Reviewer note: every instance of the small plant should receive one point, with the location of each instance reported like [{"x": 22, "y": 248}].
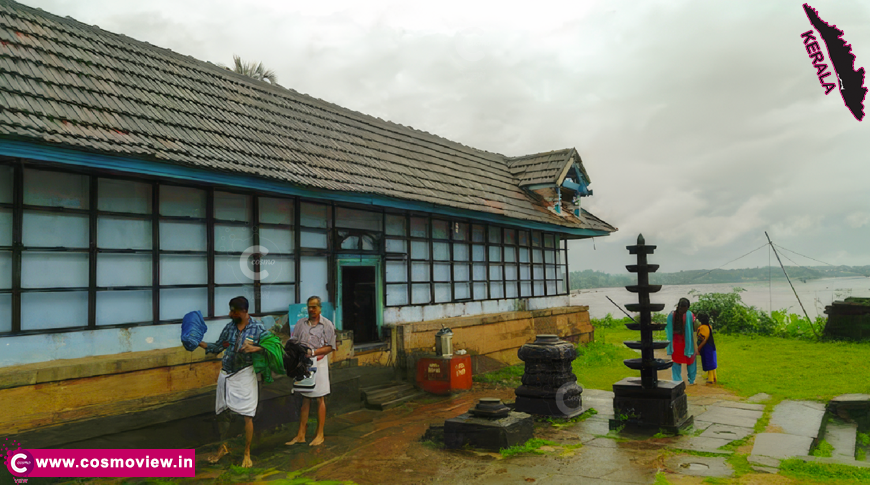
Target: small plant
[
  {"x": 740, "y": 464},
  {"x": 560, "y": 423},
  {"x": 824, "y": 450},
  {"x": 864, "y": 439},
  {"x": 661, "y": 479},
  {"x": 530, "y": 446},
  {"x": 433, "y": 445}
]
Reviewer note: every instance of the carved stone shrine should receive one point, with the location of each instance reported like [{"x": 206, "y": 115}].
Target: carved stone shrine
[
  {"x": 549, "y": 386},
  {"x": 647, "y": 402},
  {"x": 490, "y": 425}
]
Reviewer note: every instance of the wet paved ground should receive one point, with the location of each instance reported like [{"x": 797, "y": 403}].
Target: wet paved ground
[
  {"x": 385, "y": 447},
  {"x": 372, "y": 447}
]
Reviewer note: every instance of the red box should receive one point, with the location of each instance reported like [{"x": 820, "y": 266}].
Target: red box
[{"x": 444, "y": 375}]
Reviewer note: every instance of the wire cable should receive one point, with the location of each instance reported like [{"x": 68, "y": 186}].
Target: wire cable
[
  {"x": 799, "y": 254},
  {"x": 726, "y": 264}
]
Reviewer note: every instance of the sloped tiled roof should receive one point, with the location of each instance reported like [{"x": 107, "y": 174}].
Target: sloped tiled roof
[
  {"x": 540, "y": 168},
  {"x": 68, "y": 84}
]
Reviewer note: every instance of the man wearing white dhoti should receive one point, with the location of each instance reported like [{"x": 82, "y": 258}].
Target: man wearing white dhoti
[
  {"x": 237, "y": 388},
  {"x": 318, "y": 334}
]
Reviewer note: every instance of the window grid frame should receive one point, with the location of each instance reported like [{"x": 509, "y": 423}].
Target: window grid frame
[{"x": 17, "y": 248}]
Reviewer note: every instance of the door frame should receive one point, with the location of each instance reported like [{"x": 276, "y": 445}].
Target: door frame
[{"x": 379, "y": 289}]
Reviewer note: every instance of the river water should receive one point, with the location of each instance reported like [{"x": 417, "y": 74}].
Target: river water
[{"x": 815, "y": 295}]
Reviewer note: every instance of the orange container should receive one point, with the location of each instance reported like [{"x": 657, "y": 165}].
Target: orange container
[{"x": 444, "y": 375}]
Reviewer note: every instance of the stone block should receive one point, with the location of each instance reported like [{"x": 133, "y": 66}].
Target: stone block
[{"x": 488, "y": 434}]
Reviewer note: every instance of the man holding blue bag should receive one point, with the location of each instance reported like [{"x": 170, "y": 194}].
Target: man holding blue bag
[
  {"x": 318, "y": 334},
  {"x": 237, "y": 388}
]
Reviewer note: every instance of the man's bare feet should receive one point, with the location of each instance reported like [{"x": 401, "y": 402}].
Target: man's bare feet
[
  {"x": 295, "y": 440},
  {"x": 246, "y": 462},
  {"x": 318, "y": 440},
  {"x": 223, "y": 450}
]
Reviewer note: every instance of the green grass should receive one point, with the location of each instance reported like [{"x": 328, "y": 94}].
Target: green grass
[
  {"x": 740, "y": 464},
  {"x": 864, "y": 439},
  {"x": 599, "y": 365},
  {"x": 825, "y": 472},
  {"x": 748, "y": 365},
  {"x": 824, "y": 449},
  {"x": 507, "y": 376},
  {"x": 530, "y": 446},
  {"x": 559, "y": 423},
  {"x": 661, "y": 479},
  {"x": 793, "y": 369}
]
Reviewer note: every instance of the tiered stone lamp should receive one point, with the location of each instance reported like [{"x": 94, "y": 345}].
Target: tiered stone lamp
[
  {"x": 646, "y": 402},
  {"x": 549, "y": 384}
]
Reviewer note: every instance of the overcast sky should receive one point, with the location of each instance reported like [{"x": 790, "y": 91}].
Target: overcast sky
[{"x": 702, "y": 124}]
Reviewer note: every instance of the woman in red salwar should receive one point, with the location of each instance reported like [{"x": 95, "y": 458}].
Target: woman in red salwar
[{"x": 682, "y": 348}]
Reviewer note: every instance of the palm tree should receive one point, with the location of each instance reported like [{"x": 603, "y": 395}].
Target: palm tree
[{"x": 253, "y": 70}]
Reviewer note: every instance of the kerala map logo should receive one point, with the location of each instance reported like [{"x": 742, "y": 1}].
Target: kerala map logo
[{"x": 850, "y": 80}]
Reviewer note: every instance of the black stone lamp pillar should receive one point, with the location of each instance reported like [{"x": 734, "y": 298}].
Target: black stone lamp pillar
[
  {"x": 646, "y": 402},
  {"x": 647, "y": 364}
]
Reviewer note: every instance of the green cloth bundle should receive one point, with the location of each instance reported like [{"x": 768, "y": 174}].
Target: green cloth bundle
[{"x": 271, "y": 358}]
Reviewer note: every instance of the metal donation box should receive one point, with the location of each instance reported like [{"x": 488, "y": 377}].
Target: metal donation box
[{"x": 444, "y": 342}]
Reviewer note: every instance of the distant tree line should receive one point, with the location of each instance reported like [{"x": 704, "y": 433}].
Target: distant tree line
[{"x": 596, "y": 279}]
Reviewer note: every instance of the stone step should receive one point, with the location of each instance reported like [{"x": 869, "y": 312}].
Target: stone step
[
  {"x": 389, "y": 393},
  {"x": 383, "y": 406},
  {"x": 367, "y": 390},
  {"x": 842, "y": 435}
]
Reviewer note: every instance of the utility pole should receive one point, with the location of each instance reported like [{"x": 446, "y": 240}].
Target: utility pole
[{"x": 813, "y": 328}]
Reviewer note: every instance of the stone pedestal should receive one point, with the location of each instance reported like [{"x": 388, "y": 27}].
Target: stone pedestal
[
  {"x": 488, "y": 426},
  {"x": 663, "y": 407},
  {"x": 549, "y": 386}
]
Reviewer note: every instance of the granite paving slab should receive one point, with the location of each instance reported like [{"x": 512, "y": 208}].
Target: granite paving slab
[
  {"x": 766, "y": 461},
  {"x": 699, "y": 443},
  {"x": 731, "y": 416},
  {"x": 603, "y": 443},
  {"x": 593, "y": 426},
  {"x": 779, "y": 445},
  {"x": 799, "y": 418},
  {"x": 842, "y": 437},
  {"x": 614, "y": 464},
  {"x": 700, "y": 466},
  {"x": 723, "y": 431},
  {"x": 702, "y": 425},
  {"x": 741, "y": 405}
]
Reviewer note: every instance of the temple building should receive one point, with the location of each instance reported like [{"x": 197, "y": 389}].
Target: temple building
[{"x": 138, "y": 184}]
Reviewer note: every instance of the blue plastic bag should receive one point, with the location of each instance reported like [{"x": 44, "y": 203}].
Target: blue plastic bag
[{"x": 193, "y": 329}]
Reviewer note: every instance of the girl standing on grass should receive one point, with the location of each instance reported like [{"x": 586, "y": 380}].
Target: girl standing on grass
[{"x": 707, "y": 348}]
